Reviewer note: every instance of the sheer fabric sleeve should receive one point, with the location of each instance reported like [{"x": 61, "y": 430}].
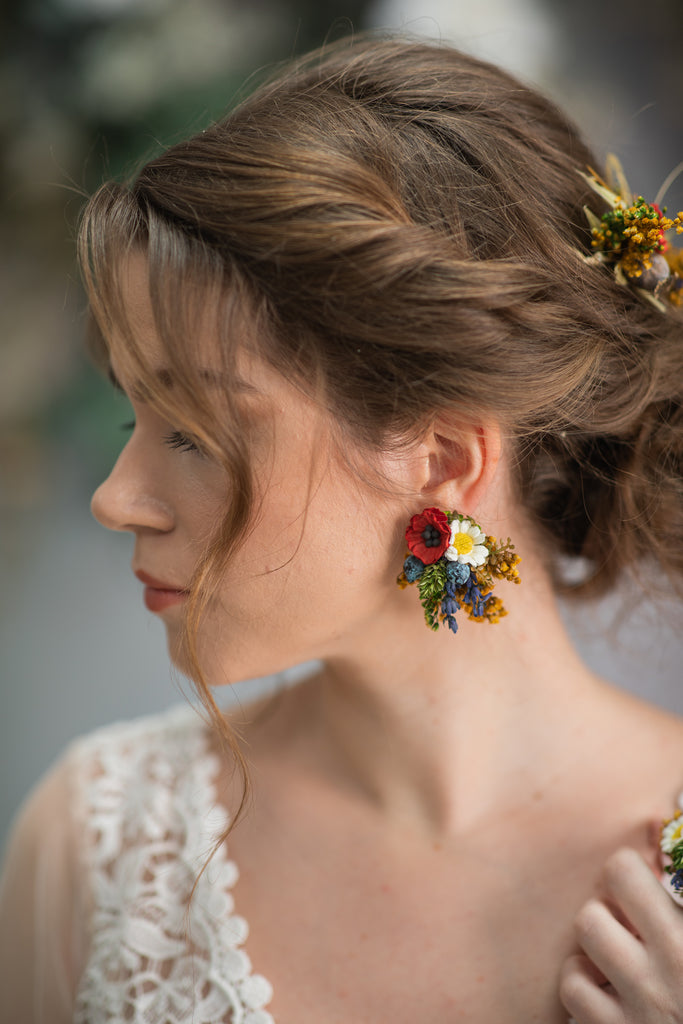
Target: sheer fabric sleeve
[{"x": 42, "y": 915}]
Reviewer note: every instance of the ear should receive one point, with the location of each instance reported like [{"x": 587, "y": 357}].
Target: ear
[{"x": 458, "y": 463}]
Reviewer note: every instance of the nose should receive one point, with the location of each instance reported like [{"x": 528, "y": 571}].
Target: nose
[{"x": 130, "y": 498}]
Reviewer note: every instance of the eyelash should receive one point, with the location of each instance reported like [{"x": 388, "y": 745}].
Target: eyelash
[
  {"x": 175, "y": 440},
  {"x": 180, "y": 442}
]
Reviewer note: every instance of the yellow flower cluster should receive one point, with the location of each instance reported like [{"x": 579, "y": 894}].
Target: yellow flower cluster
[
  {"x": 493, "y": 609},
  {"x": 500, "y": 565},
  {"x": 633, "y": 233},
  {"x": 630, "y": 238}
]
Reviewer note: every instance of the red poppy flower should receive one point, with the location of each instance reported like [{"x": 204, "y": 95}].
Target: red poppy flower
[
  {"x": 663, "y": 244},
  {"x": 428, "y": 535}
]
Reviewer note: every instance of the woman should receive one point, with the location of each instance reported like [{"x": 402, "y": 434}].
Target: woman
[{"x": 365, "y": 309}]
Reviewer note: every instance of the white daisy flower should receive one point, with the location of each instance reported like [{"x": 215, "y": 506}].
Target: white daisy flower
[
  {"x": 467, "y": 543},
  {"x": 672, "y": 834}
]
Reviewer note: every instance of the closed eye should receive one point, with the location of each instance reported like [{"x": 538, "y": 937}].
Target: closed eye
[
  {"x": 175, "y": 440},
  {"x": 180, "y": 442}
]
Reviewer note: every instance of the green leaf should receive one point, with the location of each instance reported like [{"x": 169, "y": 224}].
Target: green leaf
[{"x": 677, "y": 856}]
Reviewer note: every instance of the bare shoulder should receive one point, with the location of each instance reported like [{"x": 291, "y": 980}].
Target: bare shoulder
[
  {"x": 43, "y": 811},
  {"x": 653, "y": 728},
  {"x": 641, "y": 746},
  {"x": 662, "y": 745}
]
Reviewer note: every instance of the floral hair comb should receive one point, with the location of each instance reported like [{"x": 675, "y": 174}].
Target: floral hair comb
[{"x": 630, "y": 238}]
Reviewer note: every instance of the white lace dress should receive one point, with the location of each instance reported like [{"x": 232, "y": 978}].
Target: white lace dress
[
  {"x": 94, "y": 919},
  {"x": 134, "y": 806}
]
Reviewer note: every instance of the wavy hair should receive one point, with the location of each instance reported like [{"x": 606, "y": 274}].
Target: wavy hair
[{"x": 404, "y": 225}]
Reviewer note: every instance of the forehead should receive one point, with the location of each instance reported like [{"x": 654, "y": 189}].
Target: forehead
[
  {"x": 188, "y": 332},
  {"x": 175, "y": 334},
  {"x": 140, "y": 324}
]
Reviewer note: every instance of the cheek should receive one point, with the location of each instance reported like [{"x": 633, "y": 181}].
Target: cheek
[
  {"x": 320, "y": 559},
  {"x": 202, "y": 494},
  {"x": 313, "y": 557}
]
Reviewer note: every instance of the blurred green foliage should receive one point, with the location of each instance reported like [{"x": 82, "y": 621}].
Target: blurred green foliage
[{"x": 90, "y": 89}]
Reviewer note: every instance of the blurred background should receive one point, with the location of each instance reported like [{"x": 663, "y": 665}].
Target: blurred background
[{"x": 87, "y": 89}]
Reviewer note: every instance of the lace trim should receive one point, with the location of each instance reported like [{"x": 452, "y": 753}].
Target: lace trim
[{"x": 150, "y": 817}]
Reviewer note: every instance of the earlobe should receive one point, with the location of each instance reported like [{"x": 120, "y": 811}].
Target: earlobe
[{"x": 461, "y": 463}]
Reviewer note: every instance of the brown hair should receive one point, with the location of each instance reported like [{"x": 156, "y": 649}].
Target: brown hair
[{"x": 406, "y": 224}]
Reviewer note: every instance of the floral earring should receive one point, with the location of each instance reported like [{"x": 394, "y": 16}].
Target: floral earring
[{"x": 454, "y": 565}]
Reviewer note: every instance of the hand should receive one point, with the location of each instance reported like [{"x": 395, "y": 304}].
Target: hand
[{"x": 631, "y": 969}]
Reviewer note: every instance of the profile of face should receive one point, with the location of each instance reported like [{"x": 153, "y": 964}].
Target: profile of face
[{"x": 317, "y": 569}]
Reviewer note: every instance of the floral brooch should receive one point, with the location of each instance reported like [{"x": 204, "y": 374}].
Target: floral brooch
[
  {"x": 454, "y": 565},
  {"x": 671, "y": 845},
  {"x": 630, "y": 238}
]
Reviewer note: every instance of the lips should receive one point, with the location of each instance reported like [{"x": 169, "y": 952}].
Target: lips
[
  {"x": 160, "y": 594},
  {"x": 157, "y": 584}
]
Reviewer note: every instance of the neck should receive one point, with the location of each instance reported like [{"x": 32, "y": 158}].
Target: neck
[{"x": 438, "y": 730}]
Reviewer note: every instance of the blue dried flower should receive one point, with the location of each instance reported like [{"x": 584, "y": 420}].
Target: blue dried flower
[
  {"x": 413, "y": 568},
  {"x": 677, "y": 881},
  {"x": 474, "y": 596},
  {"x": 449, "y": 606},
  {"x": 457, "y": 573}
]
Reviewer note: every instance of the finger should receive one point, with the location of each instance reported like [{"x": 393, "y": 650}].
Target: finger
[
  {"x": 584, "y": 996},
  {"x": 612, "y": 948},
  {"x": 640, "y": 895}
]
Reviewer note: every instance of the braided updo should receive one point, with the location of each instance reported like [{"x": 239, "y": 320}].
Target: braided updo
[{"x": 407, "y": 223}]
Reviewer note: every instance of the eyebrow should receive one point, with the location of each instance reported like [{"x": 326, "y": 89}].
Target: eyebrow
[{"x": 166, "y": 379}]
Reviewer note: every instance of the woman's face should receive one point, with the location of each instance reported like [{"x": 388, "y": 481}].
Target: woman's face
[{"x": 320, "y": 560}]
